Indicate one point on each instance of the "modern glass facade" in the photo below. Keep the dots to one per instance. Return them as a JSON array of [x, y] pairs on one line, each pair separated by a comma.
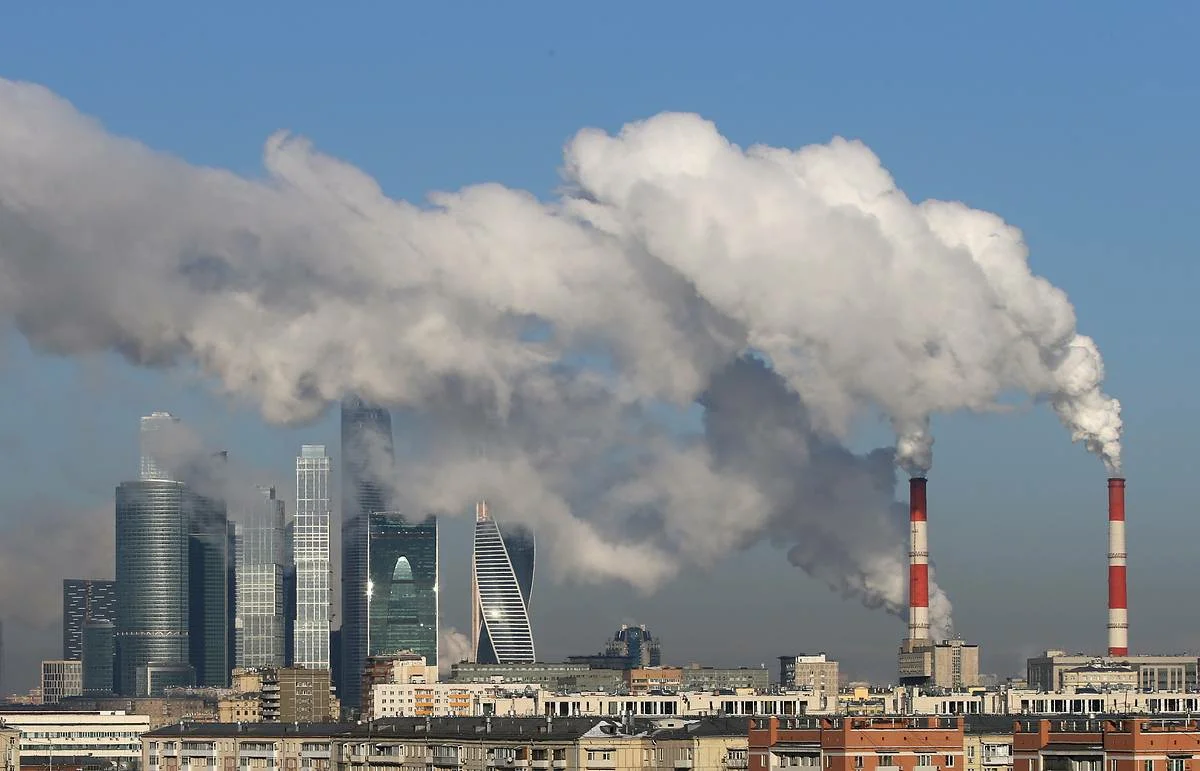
[[260, 604], [310, 553], [154, 438], [85, 600], [367, 458], [172, 584], [98, 658], [402, 601], [502, 565]]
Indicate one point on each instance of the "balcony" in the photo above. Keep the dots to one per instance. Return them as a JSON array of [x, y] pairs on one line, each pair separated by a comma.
[[737, 763], [683, 763]]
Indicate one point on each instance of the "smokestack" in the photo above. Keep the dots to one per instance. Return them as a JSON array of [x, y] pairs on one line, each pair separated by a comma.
[[1118, 600], [918, 562]]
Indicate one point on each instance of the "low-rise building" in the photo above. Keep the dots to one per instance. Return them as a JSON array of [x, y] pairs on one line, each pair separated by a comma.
[[558, 678], [645, 679], [161, 710], [452, 700], [857, 743], [283, 694], [1154, 673], [65, 740], [987, 743], [740, 703], [698, 678]]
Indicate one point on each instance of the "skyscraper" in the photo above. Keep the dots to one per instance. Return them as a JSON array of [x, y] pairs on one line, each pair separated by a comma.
[[98, 657], [502, 564], [402, 600], [85, 600], [153, 439], [367, 459], [172, 593], [310, 550], [261, 562]]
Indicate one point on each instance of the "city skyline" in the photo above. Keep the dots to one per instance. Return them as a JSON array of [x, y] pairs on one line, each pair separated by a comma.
[[1065, 126]]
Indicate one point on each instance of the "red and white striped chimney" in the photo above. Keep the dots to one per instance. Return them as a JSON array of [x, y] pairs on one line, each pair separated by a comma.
[[918, 562], [1118, 600]]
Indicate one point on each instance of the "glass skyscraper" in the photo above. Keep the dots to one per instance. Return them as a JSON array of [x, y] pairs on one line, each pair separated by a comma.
[[98, 658], [502, 564], [310, 553], [85, 600], [367, 460], [402, 600], [172, 585], [153, 439], [261, 563]]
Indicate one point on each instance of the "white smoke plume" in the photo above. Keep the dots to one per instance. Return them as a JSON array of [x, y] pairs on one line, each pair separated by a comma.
[[790, 293], [454, 647]]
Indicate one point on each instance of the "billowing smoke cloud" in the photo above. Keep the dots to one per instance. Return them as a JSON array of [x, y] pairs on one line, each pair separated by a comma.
[[454, 647], [665, 363]]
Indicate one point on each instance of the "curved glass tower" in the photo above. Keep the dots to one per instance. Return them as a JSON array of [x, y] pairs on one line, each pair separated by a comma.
[[502, 565]]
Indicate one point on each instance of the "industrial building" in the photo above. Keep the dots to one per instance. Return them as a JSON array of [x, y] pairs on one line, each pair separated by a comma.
[[1056, 669]]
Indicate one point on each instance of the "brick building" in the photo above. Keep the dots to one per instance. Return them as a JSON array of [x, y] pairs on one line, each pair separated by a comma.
[[1107, 744], [857, 743]]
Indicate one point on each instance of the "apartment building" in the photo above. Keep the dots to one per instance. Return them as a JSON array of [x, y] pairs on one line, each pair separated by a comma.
[[10, 748], [286, 746], [66, 740], [1107, 744], [857, 743]]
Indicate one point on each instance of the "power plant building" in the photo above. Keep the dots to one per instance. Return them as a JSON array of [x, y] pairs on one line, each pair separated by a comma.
[[502, 566], [1053, 670]]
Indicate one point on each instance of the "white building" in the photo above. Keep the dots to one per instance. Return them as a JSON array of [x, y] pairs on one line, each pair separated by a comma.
[[81, 737], [310, 553], [61, 679]]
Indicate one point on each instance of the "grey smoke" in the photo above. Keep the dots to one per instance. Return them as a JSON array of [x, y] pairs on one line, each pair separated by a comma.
[[792, 292]]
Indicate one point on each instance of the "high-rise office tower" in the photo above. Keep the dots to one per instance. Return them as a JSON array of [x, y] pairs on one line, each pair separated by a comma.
[[367, 460], [98, 657], [83, 601], [172, 583], [402, 599], [310, 554], [261, 562], [153, 439], [502, 563]]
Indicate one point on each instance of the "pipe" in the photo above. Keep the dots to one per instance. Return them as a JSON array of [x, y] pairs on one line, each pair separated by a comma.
[[1118, 598], [918, 561]]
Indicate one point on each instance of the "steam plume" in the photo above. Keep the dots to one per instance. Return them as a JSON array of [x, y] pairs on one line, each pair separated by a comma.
[[790, 293]]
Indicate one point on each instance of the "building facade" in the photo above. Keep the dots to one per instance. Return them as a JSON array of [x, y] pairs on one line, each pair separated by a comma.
[[502, 569], [55, 739], [857, 743], [310, 555], [367, 455], [99, 658], [261, 558], [402, 601], [813, 671], [1106, 744], [172, 558], [85, 600], [1048, 672], [61, 679], [10, 748], [157, 446]]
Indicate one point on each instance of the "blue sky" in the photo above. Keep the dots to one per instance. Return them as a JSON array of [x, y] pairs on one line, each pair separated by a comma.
[[1075, 122]]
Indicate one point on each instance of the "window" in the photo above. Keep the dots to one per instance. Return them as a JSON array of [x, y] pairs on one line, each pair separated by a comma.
[[1148, 765], [887, 760], [949, 761], [1176, 764], [858, 761]]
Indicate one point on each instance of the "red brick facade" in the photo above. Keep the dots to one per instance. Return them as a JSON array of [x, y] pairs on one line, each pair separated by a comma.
[[858, 743], [1117, 744]]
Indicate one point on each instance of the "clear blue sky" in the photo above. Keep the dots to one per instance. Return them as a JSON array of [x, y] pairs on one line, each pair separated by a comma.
[[1076, 122]]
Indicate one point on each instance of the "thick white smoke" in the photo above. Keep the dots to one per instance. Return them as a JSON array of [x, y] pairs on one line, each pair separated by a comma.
[[789, 292]]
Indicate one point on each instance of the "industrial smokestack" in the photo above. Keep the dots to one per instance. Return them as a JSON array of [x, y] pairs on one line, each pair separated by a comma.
[[918, 562], [1118, 600]]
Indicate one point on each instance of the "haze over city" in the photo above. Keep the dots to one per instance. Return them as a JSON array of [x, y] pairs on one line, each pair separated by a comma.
[[622, 319]]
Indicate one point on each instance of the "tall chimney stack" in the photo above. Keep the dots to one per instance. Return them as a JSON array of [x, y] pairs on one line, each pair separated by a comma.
[[918, 562], [1118, 599]]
